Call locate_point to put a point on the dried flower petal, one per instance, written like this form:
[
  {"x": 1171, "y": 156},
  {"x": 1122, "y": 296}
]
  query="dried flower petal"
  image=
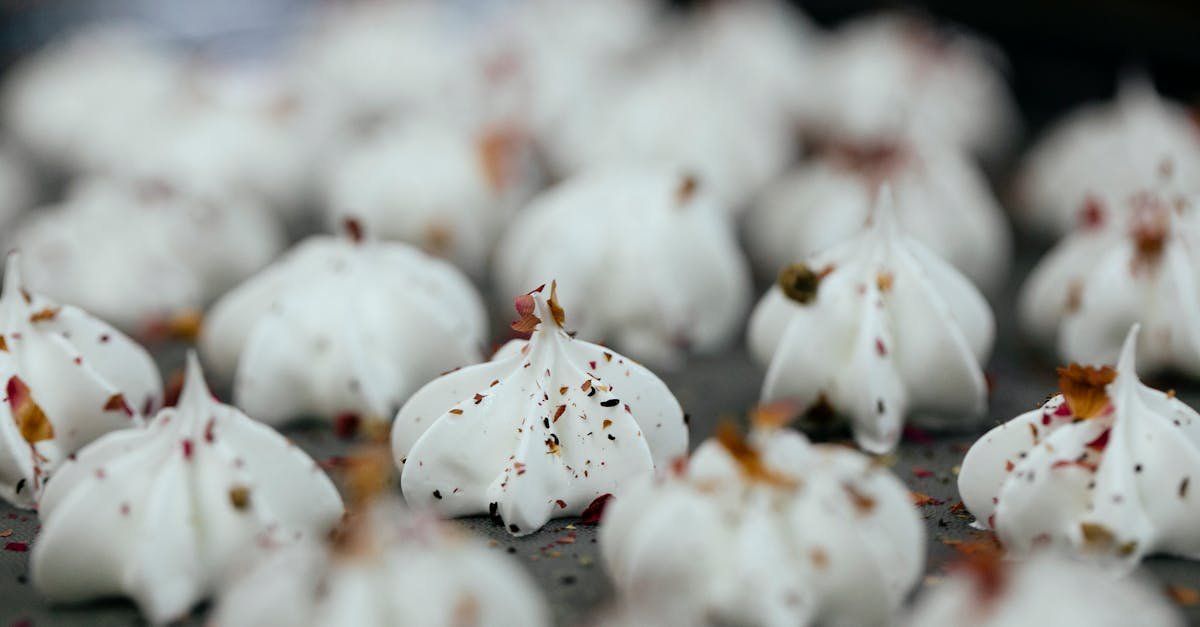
[
  {"x": 774, "y": 415},
  {"x": 799, "y": 283},
  {"x": 748, "y": 457},
  {"x": 556, "y": 310},
  {"x": 31, "y": 420},
  {"x": 594, "y": 512},
  {"x": 1084, "y": 388}
]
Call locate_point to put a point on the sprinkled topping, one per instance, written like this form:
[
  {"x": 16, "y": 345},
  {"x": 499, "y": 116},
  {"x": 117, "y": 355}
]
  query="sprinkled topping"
[
  {"x": 687, "y": 189},
  {"x": 748, "y": 458},
  {"x": 354, "y": 229},
  {"x": 799, "y": 283},
  {"x": 594, "y": 512},
  {"x": 239, "y": 497},
  {"x": 31, "y": 420},
  {"x": 1084, "y": 388},
  {"x": 48, "y": 313}
]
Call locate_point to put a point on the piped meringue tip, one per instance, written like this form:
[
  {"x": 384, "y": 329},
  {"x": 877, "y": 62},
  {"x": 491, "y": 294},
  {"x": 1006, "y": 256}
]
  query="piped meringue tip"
[
  {"x": 1127, "y": 363},
  {"x": 13, "y": 283},
  {"x": 195, "y": 388}
]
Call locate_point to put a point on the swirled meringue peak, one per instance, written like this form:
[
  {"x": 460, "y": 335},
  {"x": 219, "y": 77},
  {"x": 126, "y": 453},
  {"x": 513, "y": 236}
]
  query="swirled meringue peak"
[
  {"x": 342, "y": 326},
  {"x": 1045, "y": 590},
  {"x": 1110, "y": 150},
  {"x": 161, "y": 513},
  {"x": 69, "y": 378},
  {"x": 1135, "y": 265},
  {"x": 659, "y": 275},
  {"x": 541, "y": 431},
  {"x": 766, "y": 530},
  {"x": 1105, "y": 469},
  {"x": 390, "y": 566},
  {"x": 877, "y": 328},
  {"x": 942, "y": 200}
]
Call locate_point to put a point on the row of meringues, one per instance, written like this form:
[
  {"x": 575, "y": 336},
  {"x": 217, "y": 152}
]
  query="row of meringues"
[
  {"x": 200, "y": 499},
  {"x": 143, "y": 234}
]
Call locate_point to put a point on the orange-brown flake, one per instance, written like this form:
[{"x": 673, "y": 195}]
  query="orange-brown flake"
[
  {"x": 774, "y": 415},
  {"x": 1183, "y": 595},
  {"x": 3, "y": 344},
  {"x": 1084, "y": 388},
  {"x": 239, "y": 497},
  {"x": 438, "y": 240},
  {"x": 819, "y": 557},
  {"x": 556, "y": 310},
  {"x": 884, "y": 281},
  {"x": 864, "y": 504},
  {"x": 354, "y": 229},
  {"x": 1074, "y": 297},
  {"x": 748, "y": 458},
  {"x": 687, "y": 189},
  {"x": 46, "y": 313},
  {"x": 495, "y": 155},
  {"x": 31, "y": 420}
]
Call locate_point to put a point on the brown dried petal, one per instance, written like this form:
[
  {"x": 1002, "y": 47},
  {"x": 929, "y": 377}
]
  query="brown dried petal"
[{"x": 1084, "y": 388}]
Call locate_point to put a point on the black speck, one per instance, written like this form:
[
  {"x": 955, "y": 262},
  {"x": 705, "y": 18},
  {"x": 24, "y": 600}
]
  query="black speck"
[
  {"x": 612, "y": 402},
  {"x": 437, "y": 494},
  {"x": 879, "y": 408},
  {"x": 22, "y": 579},
  {"x": 20, "y": 485},
  {"x": 513, "y": 528},
  {"x": 493, "y": 508},
  {"x": 511, "y": 550},
  {"x": 567, "y": 580},
  {"x": 546, "y": 422},
  {"x": 612, "y": 437},
  {"x": 1137, "y": 468}
]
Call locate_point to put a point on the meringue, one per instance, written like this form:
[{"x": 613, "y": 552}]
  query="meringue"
[
  {"x": 17, "y": 184},
  {"x": 876, "y": 328},
  {"x": 134, "y": 253},
  {"x": 69, "y": 377},
  {"x": 229, "y": 130},
  {"x": 160, "y": 513},
  {"x": 374, "y": 61},
  {"x": 1102, "y": 469},
  {"x": 942, "y": 200},
  {"x": 889, "y": 77},
  {"x": 339, "y": 326},
  {"x": 646, "y": 256},
  {"x": 80, "y": 103},
  {"x": 1041, "y": 591},
  {"x": 1136, "y": 264},
  {"x": 541, "y": 431},
  {"x": 673, "y": 112},
  {"x": 395, "y": 568},
  {"x": 445, "y": 189},
  {"x": 1107, "y": 151},
  {"x": 770, "y": 531}
]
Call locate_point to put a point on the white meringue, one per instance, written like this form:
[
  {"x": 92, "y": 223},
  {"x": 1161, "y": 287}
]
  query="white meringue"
[
  {"x": 399, "y": 568},
  {"x": 645, "y": 256},
  {"x": 134, "y": 253},
  {"x": 889, "y": 77},
  {"x": 1107, "y": 151},
  {"x": 338, "y": 326},
  {"x": 229, "y": 130},
  {"x": 69, "y": 378},
  {"x": 374, "y": 61},
  {"x": 673, "y": 112},
  {"x": 443, "y": 188},
  {"x": 161, "y": 513},
  {"x": 1042, "y": 591},
  {"x": 1104, "y": 469},
  {"x": 18, "y": 184},
  {"x": 1135, "y": 265},
  {"x": 548, "y": 55},
  {"x": 942, "y": 200},
  {"x": 541, "y": 431},
  {"x": 876, "y": 328},
  {"x": 774, "y": 531},
  {"x": 80, "y": 103}
]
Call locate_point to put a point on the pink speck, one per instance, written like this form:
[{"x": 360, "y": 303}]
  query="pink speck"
[
  {"x": 16, "y": 547},
  {"x": 187, "y": 448}
]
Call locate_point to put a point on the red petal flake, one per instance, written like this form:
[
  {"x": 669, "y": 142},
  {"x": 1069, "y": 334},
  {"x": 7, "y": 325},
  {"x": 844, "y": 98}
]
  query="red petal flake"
[
  {"x": 595, "y": 510},
  {"x": 31, "y": 420},
  {"x": 116, "y": 402},
  {"x": 16, "y": 547}
]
